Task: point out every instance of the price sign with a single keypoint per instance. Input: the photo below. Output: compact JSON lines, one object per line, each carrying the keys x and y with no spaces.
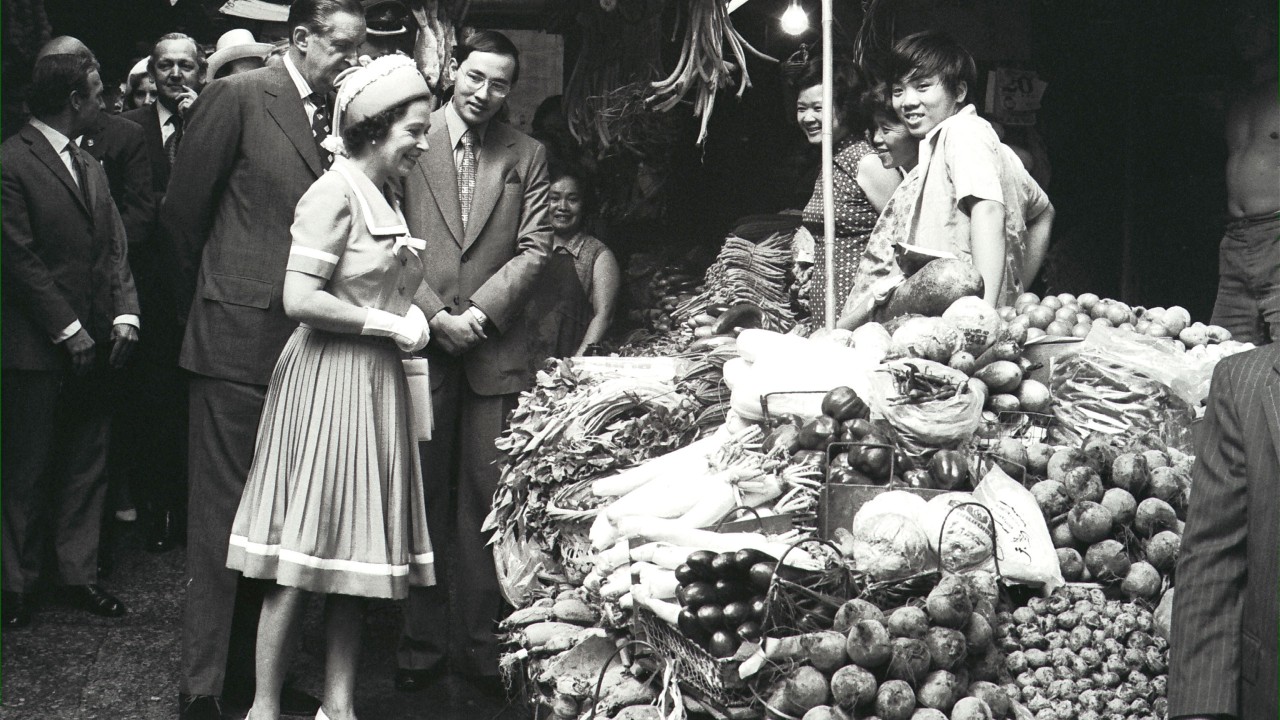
{"x":1013,"y":96}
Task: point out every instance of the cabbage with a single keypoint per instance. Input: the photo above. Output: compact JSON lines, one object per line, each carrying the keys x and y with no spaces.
{"x":889,"y":546}
{"x":901,"y":502}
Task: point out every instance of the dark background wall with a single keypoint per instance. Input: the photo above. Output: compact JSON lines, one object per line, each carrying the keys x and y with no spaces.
{"x":1133,"y":120}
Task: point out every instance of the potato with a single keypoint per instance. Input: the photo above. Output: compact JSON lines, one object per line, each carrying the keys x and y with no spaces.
{"x":1154,"y":515}
{"x":1083,"y":484}
{"x":949,"y":603}
{"x":977,"y":634}
{"x":971,"y":708}
{"x":1052,"y":497}
{"x":1106,"y":561}
{"x":1131,"y":472}
{"x":1063,"y":461}
{"x":1122,"y":505}
{"x":853,"y":611}
{"x":1142,"y":581}
{"x":994,"y":696}
{"x":1162,"y":550}
{"x":910,"y":660}
{"x":939,"y":691}
{"x":908,"y":621}
{"x":896,"y":701}
{"x":1090,"y":522}
{"x":1071,"y":564}
{"x":868,"y":644}
{"x":853,"y":687}
{"x":947,"y":647}
{"x":806,"y":688}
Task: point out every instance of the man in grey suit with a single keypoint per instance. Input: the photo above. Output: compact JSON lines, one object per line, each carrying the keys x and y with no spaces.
{"x":250,"y":149}
{"x":70,"y":312}
{"x":479,"y":199}
{"x":1223,"y":653}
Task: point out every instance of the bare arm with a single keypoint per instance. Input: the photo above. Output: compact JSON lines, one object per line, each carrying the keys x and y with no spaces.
{"x":607,"y":281}
{"x":306,"y":301}
{"x":1038,"y":231}
{"x":877,"y":181}
{"x":986,"y":238}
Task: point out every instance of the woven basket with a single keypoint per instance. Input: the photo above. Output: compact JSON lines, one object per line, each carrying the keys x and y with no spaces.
{"x":709,"y":679}
{"x":574,"y":551}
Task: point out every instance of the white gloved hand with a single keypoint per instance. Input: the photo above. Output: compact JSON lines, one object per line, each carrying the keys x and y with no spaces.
{"x":410,"y":332}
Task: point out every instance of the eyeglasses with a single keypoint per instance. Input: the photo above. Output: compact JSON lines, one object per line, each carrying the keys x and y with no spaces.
{"x":497,"y":87}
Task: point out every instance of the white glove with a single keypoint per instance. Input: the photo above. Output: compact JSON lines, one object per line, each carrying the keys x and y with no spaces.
{"x":410,"y":332}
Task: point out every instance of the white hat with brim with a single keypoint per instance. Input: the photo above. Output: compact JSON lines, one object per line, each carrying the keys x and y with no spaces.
{"x":257,"y":10}
{"x":236,"y":45}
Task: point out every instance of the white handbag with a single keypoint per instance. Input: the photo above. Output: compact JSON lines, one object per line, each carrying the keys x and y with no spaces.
{"x":421,"y":416}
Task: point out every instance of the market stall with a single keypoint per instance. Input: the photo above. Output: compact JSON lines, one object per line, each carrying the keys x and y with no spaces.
{"x":970,"y":513}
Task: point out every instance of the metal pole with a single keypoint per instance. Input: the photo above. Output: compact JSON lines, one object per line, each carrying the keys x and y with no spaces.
{"x":828,"y":199}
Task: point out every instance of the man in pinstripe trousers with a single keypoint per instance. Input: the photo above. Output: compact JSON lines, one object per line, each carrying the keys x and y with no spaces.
{"x":1224,"y":645}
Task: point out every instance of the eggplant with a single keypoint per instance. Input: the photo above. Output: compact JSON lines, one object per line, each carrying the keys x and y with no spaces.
{"x":759,"y":607}
{"x":699,"y":594}
{"x":746,"y":558}
{"x":710,"y":617}
{"x":686,"y":575}
{"x":949,"y":470}
{"x":842,"y":403}
{"x":723,"y":566}
{"x":740,"y":316}
{"x":736,"y":613}
{"x":761,"y":574}
{"x":818,"y":433}
{"x":749,"y":631}
{"x":729,"y":590}
{"x":700,"y":562}
{"x":688,"y":623}
{"x":722,"y":644}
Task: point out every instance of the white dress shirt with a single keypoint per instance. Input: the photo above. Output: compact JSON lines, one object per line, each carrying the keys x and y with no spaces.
{"x":60,"y":143}
{"x":304,"y":87}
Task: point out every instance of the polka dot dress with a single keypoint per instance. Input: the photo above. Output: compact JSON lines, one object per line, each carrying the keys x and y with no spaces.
{"x":855,"y":218}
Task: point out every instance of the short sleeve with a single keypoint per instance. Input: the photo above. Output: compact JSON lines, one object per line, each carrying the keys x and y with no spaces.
{"x":1035,"y":201}
{"x":973,"y":160}
{"x":321,"y":224}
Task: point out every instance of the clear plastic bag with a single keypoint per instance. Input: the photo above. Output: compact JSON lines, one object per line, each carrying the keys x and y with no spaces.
{"x":1119,"y":383}
{"x":924,"y":427}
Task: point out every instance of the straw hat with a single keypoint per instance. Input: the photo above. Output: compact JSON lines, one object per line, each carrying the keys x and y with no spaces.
{"x":236,"y":45}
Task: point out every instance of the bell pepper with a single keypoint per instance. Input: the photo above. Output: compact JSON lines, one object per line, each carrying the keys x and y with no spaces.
{"x":818,"y":433}
{"x":949,"y":469}
{"x":843,"y":403}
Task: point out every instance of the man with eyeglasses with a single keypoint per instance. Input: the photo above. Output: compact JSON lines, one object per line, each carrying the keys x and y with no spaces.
{"x":479,"y":199}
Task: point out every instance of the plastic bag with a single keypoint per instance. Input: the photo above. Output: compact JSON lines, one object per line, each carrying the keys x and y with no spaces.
{"x":1123,"y":384}
{"x":1023,"y":545}
{"x":517,"y":563}
{"x":921,"y":428}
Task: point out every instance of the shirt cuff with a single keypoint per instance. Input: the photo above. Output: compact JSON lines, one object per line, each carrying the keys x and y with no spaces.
{"x":479,"y":314}
{"x":66,"y":334}
{"x":128,"y":320}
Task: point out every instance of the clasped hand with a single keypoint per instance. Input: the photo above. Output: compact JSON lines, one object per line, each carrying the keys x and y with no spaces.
{"x":457,"y":333}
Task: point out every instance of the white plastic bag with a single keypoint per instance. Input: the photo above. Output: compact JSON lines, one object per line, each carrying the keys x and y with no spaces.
{"x":1023,"y":545}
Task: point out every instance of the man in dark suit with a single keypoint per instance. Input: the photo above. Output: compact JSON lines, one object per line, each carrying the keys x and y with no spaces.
{"x":1223,"y":652}
{"x":249,"y":152}
{"x":177,"y":65}
{"x":479,"y":198}
{"x":69,"y":312}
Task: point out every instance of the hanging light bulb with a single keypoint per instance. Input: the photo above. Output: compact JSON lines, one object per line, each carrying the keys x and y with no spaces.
{"x":795,"y":21}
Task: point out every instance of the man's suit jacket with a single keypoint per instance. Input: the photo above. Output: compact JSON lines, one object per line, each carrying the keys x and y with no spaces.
{"x":1224,"y":645}
{"x":120,"y":147}
{"x":149,"y":120}
{"x":494,"y":263}
{"x":247,"y":155}
{"x":64,"y":260}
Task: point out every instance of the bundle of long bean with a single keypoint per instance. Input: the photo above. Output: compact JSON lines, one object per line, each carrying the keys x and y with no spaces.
{"x":748,"y":272}
{"x":702,"y":64}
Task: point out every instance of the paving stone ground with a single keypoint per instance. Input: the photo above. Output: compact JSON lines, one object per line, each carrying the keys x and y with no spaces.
{"x":69,"y":665}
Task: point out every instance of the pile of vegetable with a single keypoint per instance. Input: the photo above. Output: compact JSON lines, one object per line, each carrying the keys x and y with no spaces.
{"x":655,"y":288}
{"x":1066,"y":315}
{"x":1077,"y":655}
{"x":703,"y":381}
{"x":747,"y":275}
{"x":935,"y":659}
{"x":569,"y":430}
{"x":1115,"y":513}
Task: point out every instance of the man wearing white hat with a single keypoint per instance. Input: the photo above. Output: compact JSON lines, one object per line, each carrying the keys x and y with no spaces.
{"x":237,"y":51}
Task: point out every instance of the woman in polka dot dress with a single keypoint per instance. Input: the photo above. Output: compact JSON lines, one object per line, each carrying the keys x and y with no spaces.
{"x":862,"y":185}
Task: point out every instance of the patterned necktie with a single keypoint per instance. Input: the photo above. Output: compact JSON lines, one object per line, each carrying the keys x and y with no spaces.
{"x":77,"y":169}
{"x":467,"y":174}
{"x":320,"y":126}
{"x":175,"y":137}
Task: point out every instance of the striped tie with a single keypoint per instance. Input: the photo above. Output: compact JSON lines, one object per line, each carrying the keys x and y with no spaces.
{"x":467,"y":174}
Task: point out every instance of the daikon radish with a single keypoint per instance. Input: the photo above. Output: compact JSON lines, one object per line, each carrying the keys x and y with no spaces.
{"x":664,"y":530}
{"x":618,"y":554}
{"x":715,"y":503}
{"x":668,"y":612}
{"x":669,"y":496}
{"x":668,"y":556}
{"x":690,"y":457}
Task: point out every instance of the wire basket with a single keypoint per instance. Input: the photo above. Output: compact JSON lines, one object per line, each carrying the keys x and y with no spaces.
{"x":709,"y":679}
{"x":1027,"y":426}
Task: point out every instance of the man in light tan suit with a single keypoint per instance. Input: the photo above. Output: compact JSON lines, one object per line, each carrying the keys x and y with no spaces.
{"x":479,"y":199}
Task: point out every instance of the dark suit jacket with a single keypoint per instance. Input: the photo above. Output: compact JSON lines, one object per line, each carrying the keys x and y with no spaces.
{"x":1223,"y":654}
{"x":247,"y":156}
{"x":119,"y":146}
{"x":148,"y":119}
{"x":495,"y":262}
{"x":63,"y":260}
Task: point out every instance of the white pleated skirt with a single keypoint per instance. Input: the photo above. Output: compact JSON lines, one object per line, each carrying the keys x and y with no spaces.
{"x":334,"y":500}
